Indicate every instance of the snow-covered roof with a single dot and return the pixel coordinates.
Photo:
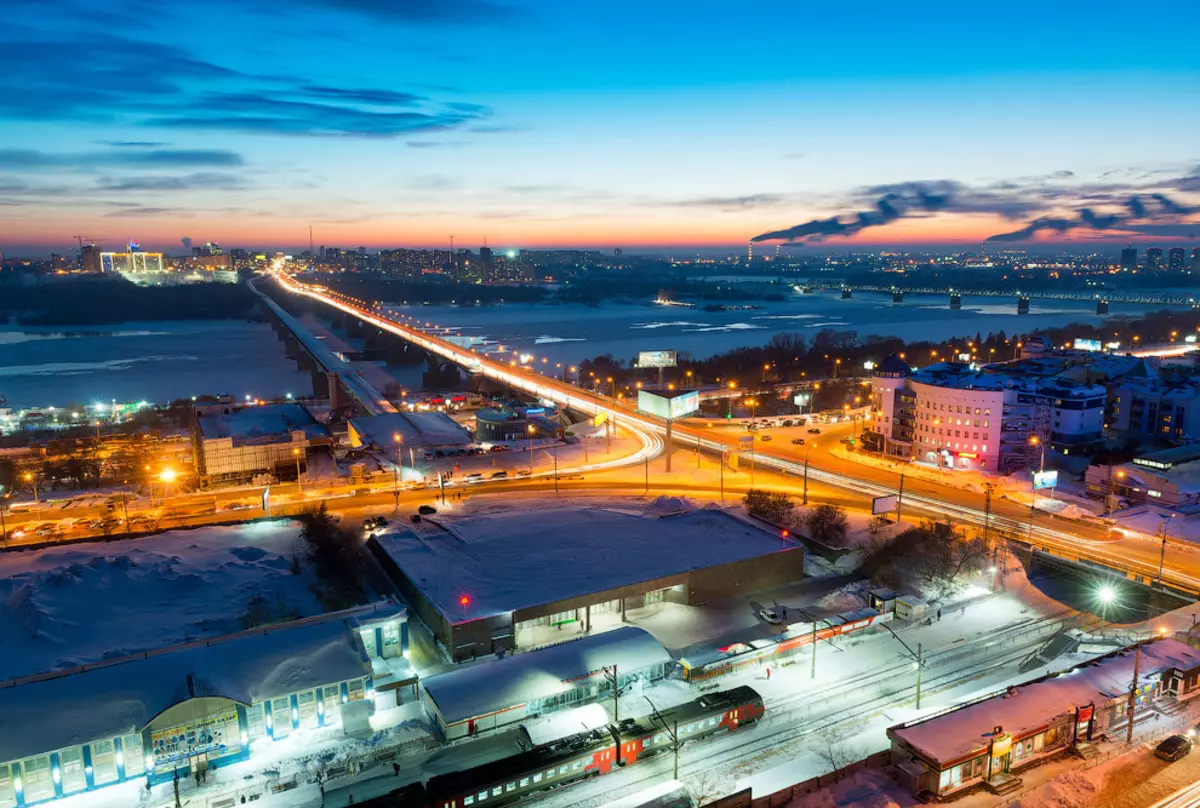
(416, 430)
(1025, 708)
(43, 713)
(255, 423)
(515, 680)
(515, 559)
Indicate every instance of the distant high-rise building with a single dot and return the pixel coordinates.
(89, 258)
(131, 262)
(1129, 258)
(1154, 260)
(1175, 259)
(206, 249)
(486, 257)
(1196, 259)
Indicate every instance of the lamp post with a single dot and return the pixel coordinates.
(1162, 534)
(398, 469)
(1105, 595)
(806, 451)
(530, 429)
(299, 482)
(29, 478)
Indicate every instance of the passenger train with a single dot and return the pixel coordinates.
(581, 756)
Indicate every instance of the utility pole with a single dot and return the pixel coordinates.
(918, 676)
(900, 498)
(1162, 556)
(647, 474)
(1137, 664)
(806, 451)
(724, 457)
(813, 673)
(554, 452)
(610, 673)
(987, 509)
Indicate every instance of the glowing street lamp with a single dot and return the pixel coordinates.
(299, 482)
(1106, 595)
(531, 429)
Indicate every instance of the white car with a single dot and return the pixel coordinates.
(772, 616)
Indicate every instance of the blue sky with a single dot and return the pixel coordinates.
(400, 122)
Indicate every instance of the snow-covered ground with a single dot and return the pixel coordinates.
(65, 606)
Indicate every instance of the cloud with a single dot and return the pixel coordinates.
(203, 180)
(364, 95)
(425, 12)
(1158, 206)
(186, 241)
(434, 144)
(731, 203)
(34, 160)
(132, 144)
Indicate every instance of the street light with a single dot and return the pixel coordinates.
(806, 451)
(29, 478)
(299, 482)
(1034, 440)
(531, 429)
(1106, 595)
(397, 470)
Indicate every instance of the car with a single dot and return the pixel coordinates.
(1173, 748)
(426, 510)
(473, 477)
(798, 441)
(764, 437)
(814, 431)
(47, 529)
(772, 616)
(373, 522)
(428, 455)
(524, 473)
(500, 475)
(499, 448)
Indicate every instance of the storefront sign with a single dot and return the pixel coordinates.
(214, 734)
(1001, 744)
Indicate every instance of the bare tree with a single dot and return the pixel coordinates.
(704, 787)
(831, 749)
(827, 524)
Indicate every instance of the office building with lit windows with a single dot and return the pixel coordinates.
(136, 262)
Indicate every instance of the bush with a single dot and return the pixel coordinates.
(769, 506)
(336, 556)
(827, 524)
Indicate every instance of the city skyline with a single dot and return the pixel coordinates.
(533, 125)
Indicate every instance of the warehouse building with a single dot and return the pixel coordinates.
(515, 579)
(986, 743)
(407, 431)
(192, 707)
(235, 444)
(481, 697)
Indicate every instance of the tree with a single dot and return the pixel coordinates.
(335, 555)
(827, 524)
(930, 557)
(769, 506)
(831, 748)
(8, 475)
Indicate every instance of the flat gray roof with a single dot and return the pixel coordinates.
(516, 558)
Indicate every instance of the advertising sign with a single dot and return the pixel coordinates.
(656, 359)
(801, 399)
(599, 418)
(1088, 345)
(213, 735)
(1001, 744)
(883, 504)
(1044, 479)
(677, 405)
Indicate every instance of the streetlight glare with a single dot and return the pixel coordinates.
(1106, 594)
(167, 475)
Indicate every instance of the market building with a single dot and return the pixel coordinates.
(184, 709)
(234, 444)
(496, 694)
(987, 742)
(408, 432)
(516, 579)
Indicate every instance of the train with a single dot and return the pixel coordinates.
(581, 756)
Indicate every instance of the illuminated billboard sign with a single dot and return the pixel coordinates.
(1044, 479)
(1088, 345)
(679, 405)
(656, 359)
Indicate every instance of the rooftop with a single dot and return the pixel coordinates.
(964, 732)
(512, 559)
(416, 430)
(120, 696)
(266, 421)
(518, 679)
(962, 376)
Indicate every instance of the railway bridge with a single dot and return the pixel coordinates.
(954, 295)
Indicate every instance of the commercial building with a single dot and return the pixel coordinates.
(235, 444)
(1176, 259)
(517, 578)
(136, 262)
(985, 743)
(501, 424)
(1169, 478)
(1154, 259)
(1143, 407)
(191, 707)
(966, 417)
(1129, 258)
(487, 696)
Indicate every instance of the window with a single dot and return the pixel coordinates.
(537, 778)
(987, 411)
(468, 801)
(524, 782)
(497, 791)
(976, 410)
(481, 796)
(577, 765)
(562, 769)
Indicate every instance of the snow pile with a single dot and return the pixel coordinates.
(845, 599)
(866, 789)
(1071, 789)
(65, 606)
(666, 504)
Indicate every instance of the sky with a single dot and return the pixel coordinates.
(634, 124)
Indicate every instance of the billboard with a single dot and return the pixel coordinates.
(214, 735)
(656, 359)
(1044, 479)
(883, 504)
(677, 405)
(1088, 345)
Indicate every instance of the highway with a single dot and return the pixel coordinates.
(1073, 538)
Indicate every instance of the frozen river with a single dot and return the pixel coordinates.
(157, 361)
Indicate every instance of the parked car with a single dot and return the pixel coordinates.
(500, 475)
(428, 455)
(523, 473)
(426, 510)
(374, 522)
(798, 441)
(764, 437)
(1173, 748)
(473, 477)
(814, 431)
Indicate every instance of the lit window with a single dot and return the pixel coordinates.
(524, 782)
(482, 795)
(537, 778)
(562, 769)
(468, 800)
